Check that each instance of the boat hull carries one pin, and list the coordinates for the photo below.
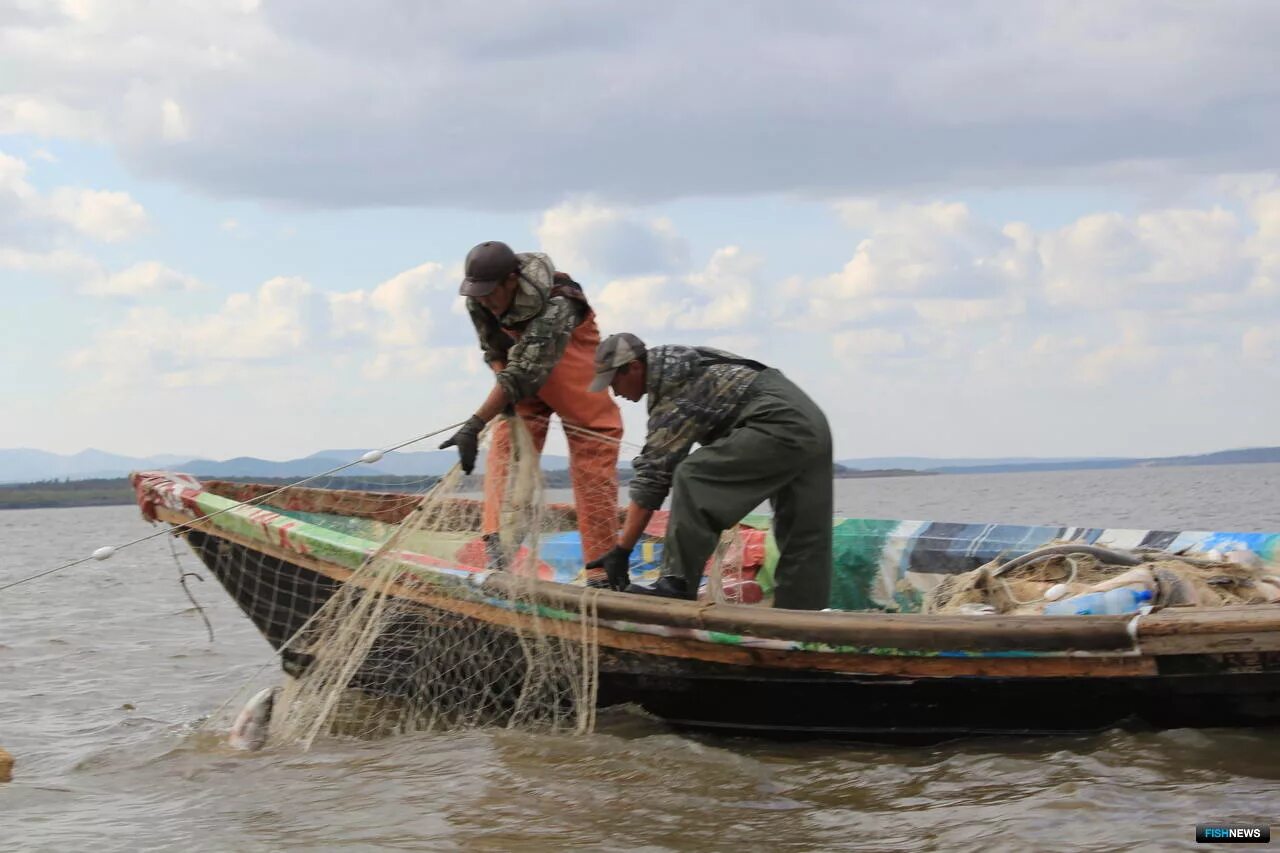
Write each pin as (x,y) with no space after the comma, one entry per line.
(756,701)
(776,693)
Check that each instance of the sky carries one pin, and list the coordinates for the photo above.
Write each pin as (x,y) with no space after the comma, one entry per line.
(967,229)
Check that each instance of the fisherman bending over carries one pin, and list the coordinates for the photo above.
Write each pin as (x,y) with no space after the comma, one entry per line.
(761,438)
(539,337)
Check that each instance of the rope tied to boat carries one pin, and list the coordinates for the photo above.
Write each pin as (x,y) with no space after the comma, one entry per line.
(182,581)
(1008,590)
(1108,555)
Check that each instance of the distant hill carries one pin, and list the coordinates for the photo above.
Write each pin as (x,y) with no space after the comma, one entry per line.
(29,466)
(934,463)
(1013,464)
(25,465)
(1222,457)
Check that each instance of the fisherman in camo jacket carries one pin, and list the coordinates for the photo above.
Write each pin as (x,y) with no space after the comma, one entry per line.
(761,438)
(539,337)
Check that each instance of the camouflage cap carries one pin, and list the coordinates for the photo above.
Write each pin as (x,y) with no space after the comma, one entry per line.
(613,352)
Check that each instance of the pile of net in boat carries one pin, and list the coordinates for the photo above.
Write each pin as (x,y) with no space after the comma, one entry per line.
(1020,586)
(442,627)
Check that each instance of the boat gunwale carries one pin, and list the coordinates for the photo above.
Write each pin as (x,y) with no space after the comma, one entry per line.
(663,641)
(1170,630)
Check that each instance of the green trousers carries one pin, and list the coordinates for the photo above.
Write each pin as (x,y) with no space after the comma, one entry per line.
(778,450)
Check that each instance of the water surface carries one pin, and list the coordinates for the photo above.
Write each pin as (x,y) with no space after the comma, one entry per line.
(106,672)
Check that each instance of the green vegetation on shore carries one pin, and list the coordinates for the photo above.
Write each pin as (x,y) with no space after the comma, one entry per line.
(116,492)
(63,493)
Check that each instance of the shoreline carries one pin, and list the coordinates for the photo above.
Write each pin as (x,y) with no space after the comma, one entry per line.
(51,494)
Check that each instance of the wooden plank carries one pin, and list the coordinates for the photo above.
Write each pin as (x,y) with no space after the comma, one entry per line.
(388,507)
(865,630)
(1194,630)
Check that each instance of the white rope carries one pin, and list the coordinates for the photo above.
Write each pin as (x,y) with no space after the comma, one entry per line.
(589,618)
(108,551)
(1075,570)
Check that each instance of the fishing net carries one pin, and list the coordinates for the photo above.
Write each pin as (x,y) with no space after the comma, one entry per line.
(1173,582)
(395,650)
(448,619)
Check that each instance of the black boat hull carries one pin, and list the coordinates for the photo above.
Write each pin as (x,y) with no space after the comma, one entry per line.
(1188,690)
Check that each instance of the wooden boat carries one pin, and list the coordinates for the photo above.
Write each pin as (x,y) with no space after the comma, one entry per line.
(874,670)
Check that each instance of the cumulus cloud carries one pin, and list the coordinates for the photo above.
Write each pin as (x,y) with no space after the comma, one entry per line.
(286,323)
(722,295)
(718,298)
(588,240)
(105,216)
(173,124)
(397,312)
(44,233)
(635,104)
(284,317)
(87,274)
(409,325)
(28,215)
(1155,297)
(1263,247)
(142,279)
(935,262)
(18,199)
(940,310)
(1107,259)
(47,117)
(935,249)
(60,263)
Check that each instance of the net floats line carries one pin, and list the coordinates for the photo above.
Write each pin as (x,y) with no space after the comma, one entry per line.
(106,552)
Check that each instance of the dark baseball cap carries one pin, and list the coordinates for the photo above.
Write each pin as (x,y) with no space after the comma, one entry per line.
(613,352)
(488,265)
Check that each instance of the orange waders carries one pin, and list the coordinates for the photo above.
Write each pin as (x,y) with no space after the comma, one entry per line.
(593,427)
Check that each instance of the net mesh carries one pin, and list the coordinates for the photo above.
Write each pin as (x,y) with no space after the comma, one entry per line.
(448,621)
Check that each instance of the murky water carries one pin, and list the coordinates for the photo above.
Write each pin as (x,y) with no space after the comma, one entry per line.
(105,672)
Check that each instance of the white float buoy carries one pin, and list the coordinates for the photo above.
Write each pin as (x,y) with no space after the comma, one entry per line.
(1055,592)
(1244,557)
(372,456)
(106,552)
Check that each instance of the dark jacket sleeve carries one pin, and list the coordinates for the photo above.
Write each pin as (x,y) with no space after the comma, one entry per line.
(532,358)
(493,341)
(673,429)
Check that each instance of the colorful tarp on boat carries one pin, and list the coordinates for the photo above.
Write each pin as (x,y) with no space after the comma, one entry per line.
(879,564)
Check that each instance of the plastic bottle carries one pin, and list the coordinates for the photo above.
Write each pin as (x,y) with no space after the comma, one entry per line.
(1126,599)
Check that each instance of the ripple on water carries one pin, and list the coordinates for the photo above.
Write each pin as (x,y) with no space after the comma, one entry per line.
(90,769)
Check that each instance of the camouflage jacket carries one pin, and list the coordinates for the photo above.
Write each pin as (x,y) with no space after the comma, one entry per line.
(692,400)
(533,333)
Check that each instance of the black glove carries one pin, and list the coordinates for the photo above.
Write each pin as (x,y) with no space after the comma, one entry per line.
(467,440)
(616,565)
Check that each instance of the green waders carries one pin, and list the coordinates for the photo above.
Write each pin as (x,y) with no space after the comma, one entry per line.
(779,449)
